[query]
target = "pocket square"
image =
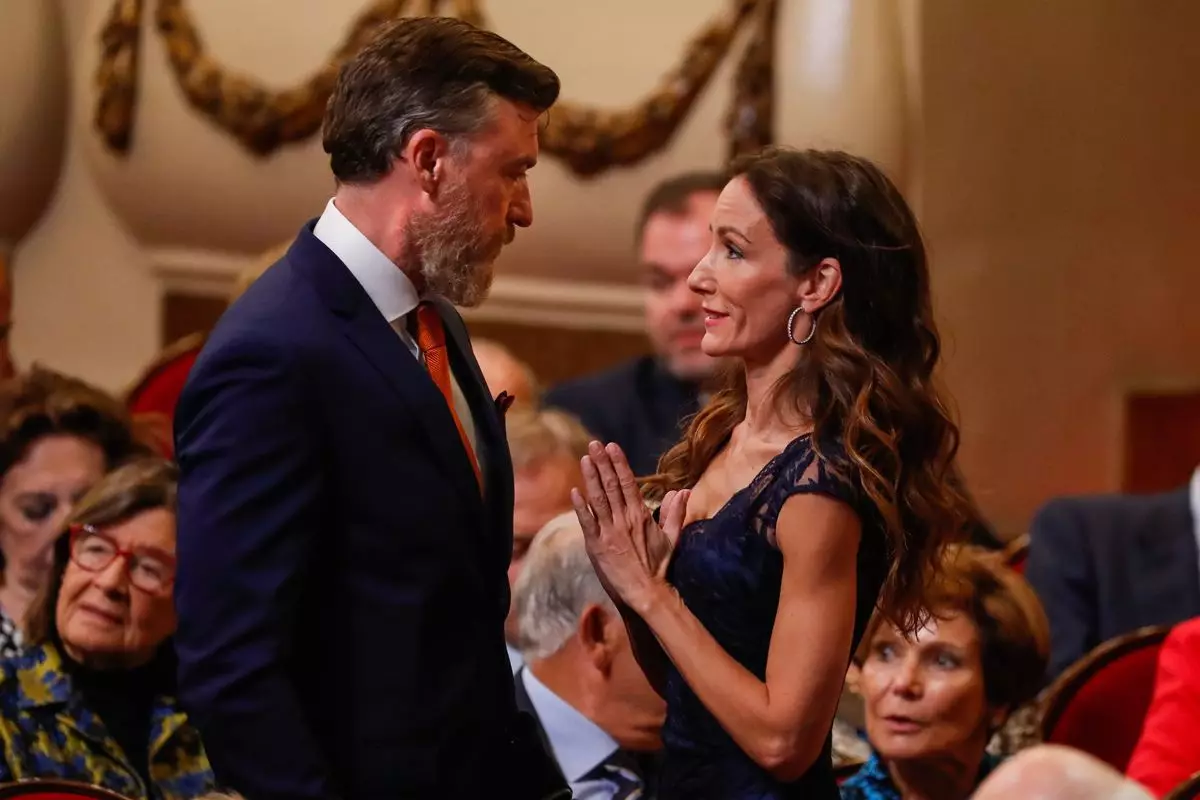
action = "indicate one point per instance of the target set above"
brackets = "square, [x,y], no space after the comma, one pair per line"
[504,401]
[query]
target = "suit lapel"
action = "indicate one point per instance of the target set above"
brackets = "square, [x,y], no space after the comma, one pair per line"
[361,323]
[489,423]
[525,704]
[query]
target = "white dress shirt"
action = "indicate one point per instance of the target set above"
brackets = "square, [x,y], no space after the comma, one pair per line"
[579,744]
[515,659]
[390,290]
[1194,502]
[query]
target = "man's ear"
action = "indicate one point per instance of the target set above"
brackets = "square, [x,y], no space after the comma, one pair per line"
[819,285]
[426,154]
[594,636]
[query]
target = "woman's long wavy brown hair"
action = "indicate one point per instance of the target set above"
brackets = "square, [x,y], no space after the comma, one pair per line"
[867,377]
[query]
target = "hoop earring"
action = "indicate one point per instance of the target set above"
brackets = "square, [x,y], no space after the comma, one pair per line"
[791,328]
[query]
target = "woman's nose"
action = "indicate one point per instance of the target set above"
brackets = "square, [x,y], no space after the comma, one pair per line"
[700,280]
[907,679]
[113,579]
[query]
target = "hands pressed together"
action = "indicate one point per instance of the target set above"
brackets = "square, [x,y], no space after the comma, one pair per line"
[629,550]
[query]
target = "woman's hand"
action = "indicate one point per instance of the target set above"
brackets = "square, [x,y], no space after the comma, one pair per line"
[629,550]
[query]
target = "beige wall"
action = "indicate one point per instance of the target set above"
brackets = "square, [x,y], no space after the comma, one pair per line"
[1057,171]
[1061,197]
[85,300]
[188,196]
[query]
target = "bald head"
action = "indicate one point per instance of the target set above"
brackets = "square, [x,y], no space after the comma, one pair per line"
[1053,772]
[504,372]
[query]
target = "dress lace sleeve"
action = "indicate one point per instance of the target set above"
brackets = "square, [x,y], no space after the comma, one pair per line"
[801,471]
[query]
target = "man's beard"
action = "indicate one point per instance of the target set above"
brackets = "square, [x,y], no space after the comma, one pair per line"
[454,250]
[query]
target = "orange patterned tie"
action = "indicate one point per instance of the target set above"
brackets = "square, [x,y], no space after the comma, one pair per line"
[431,339]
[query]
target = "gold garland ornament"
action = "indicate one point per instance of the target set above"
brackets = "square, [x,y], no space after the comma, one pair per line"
[588,140]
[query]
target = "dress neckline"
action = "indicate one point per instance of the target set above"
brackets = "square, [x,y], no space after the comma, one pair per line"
[804,437]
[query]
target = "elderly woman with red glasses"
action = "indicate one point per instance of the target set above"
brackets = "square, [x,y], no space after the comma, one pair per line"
[92,698]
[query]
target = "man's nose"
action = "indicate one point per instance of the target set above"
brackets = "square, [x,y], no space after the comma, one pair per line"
[684,301]
[520,211]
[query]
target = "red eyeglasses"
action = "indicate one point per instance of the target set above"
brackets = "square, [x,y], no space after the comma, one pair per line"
[150,570]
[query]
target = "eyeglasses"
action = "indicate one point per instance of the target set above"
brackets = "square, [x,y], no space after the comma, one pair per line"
[150,570]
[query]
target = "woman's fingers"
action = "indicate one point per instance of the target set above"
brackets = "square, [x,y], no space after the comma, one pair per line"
[625,477]
[583,513]
[671,519]
[608,478]
[594,490]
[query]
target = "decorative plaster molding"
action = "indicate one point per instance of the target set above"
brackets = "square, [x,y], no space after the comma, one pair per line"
[515,299]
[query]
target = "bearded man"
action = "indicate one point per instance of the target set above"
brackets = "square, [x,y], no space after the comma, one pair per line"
[346,502]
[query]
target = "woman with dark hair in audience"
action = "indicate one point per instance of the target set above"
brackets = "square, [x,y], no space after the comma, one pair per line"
[934,700]
[58,436]
[816,482]
[92,698]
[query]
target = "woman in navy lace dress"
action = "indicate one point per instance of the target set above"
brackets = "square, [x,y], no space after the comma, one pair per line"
[813,487]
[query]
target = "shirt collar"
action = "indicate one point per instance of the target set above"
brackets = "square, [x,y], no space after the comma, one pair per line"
[578,743]
[388,287]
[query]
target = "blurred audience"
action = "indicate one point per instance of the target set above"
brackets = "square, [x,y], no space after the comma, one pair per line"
[58,436]
[640,404]
[7,370]
[546,447]
[933,702]
[504,372]
[597,712]
[1168,751]
[1052,772]
[1110,564]
[91,699]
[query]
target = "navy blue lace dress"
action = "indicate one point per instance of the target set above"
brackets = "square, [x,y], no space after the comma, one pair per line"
[728,570]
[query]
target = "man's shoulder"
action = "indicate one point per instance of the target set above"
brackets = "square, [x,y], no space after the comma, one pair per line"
[1118,513]
[276,311]
[1108,526]
[587,389]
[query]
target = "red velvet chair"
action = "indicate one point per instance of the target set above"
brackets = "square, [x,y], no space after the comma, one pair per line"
[152,399]
[1188,790]
[845,772]
[1098,705]
[55,789]
[1016,553]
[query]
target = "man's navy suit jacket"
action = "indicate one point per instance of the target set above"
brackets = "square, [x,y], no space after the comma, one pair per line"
[342,582]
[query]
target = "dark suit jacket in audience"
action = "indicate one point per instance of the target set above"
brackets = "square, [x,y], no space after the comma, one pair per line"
[638,405]
[342,582]
[1106,565]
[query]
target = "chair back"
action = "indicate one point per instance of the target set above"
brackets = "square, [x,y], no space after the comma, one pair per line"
[1188,790]
[152,398]
[1016,552]
[55,789]
[1098,705]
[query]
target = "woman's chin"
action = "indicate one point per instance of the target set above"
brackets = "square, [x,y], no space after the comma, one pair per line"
[714,348]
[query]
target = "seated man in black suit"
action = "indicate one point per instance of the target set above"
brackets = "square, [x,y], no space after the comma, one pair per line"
[640,404]
[598,715]
[1107,565]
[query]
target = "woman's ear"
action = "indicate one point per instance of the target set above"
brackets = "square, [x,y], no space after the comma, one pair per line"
[819,285]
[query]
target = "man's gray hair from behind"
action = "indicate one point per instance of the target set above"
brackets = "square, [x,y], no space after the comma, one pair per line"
[557,583]
[536,436]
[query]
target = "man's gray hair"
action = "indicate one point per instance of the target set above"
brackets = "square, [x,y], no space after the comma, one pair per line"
[535,436]
[557,583]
